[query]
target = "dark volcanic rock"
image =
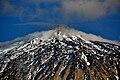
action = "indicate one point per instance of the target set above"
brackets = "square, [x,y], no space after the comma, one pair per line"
[61,58]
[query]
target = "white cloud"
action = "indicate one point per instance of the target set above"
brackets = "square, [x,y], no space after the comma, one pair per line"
[90,8]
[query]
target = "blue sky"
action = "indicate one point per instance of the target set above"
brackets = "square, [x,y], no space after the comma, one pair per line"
[21,17]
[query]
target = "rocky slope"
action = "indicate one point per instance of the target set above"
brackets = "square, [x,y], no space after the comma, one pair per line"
[61,56]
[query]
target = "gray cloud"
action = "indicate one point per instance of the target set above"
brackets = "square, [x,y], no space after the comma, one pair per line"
[25,12]
[7,7]
[10,9]
[90,8]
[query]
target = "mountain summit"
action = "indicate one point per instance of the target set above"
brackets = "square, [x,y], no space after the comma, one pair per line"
[60,54]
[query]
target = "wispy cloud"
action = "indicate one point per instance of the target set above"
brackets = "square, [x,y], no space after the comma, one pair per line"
[39,24]
[30,10]
[36,24]
[7,7]
[90,8]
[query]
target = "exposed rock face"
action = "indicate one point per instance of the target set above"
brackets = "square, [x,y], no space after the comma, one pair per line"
[61,57]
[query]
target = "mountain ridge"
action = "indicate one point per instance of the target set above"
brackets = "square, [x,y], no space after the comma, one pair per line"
[60,56]
[62,28]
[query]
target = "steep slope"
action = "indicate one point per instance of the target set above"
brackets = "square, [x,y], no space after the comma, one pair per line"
[61,55]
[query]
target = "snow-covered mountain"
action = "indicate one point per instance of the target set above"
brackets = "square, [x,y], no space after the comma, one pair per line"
[60,54]
[47,34]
